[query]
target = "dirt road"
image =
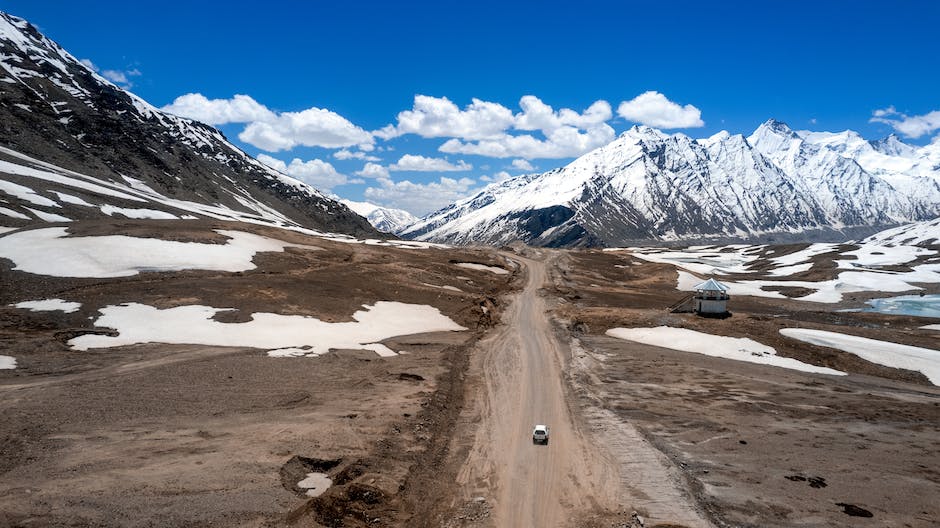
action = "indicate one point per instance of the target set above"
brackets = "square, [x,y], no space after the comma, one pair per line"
[532,485]
[580,475]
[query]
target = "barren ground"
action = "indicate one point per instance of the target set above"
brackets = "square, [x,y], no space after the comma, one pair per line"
[185,435]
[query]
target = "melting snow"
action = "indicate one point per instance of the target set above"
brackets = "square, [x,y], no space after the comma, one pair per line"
[315,484]
[804,254]
[48,217]
[483,267]
[13,214]
[25,193]
[924,360]
[49,251]
[49,305]
[70,199]
[283,335]
[705,260]
[737,348]
[153,214]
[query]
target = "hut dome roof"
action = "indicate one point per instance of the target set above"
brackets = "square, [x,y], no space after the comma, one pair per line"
[711,285]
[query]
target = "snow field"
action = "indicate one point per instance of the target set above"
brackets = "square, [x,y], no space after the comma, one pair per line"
[49,251]
[736,348]
[282,335]
[894,355]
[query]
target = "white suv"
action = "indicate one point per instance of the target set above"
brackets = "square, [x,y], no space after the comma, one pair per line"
[540,434]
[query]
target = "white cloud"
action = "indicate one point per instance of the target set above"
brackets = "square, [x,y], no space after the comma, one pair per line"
[313,127]
[522,164]
[238,109]
[537,115]
[419,198]
[118,77]
[410,162]
[317,173]
[565,142]
[910,126]
[346,154]
[271,131]
[439,117]
[498,177]
[655,110]
[373,170]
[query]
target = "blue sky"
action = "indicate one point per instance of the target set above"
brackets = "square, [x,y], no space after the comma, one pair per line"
[322,77]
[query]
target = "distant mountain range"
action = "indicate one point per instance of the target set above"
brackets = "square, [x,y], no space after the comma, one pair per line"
[776,184]
[75,146]
[385,219]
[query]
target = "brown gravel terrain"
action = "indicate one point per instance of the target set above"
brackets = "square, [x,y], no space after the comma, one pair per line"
[760,445]
[189,435]
[440,436]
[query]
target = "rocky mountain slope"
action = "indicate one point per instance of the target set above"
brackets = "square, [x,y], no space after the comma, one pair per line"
[61,118]
[776,184]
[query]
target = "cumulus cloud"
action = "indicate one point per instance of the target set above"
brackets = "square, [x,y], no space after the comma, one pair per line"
[419,198]
[537,115]
[373,170]
[272,131]
[439,117]
[313,127]
[564,142]
[522,164]
[910,126]
[346,154]
[655,110]
[433,117]
[317,173]
[410,162]
[496,178]
[238,109]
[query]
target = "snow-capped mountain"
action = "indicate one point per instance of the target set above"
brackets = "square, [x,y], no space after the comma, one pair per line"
[647,185]
[385,219]
[76,146]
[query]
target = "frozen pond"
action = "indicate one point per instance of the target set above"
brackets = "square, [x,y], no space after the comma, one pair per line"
[916,305]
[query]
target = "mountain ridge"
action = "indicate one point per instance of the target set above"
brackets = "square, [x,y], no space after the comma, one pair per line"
[55,109]
[649,185]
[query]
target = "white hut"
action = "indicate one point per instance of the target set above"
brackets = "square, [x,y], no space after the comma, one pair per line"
[711,297]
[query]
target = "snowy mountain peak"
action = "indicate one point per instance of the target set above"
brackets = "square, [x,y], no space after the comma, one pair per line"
[385,219]
[652,185]
[893,146]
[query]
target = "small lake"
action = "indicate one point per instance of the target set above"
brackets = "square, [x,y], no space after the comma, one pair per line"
[916,305]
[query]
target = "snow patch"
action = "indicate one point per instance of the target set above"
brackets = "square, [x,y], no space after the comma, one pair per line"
[482,267]
[894,355]
[282,335]
[49,305]
[151,214]
[48,217]
[737,348]
[315,484]
[49,251]
[7,362]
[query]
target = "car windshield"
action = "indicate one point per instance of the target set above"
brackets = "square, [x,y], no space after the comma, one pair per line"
[539,432]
